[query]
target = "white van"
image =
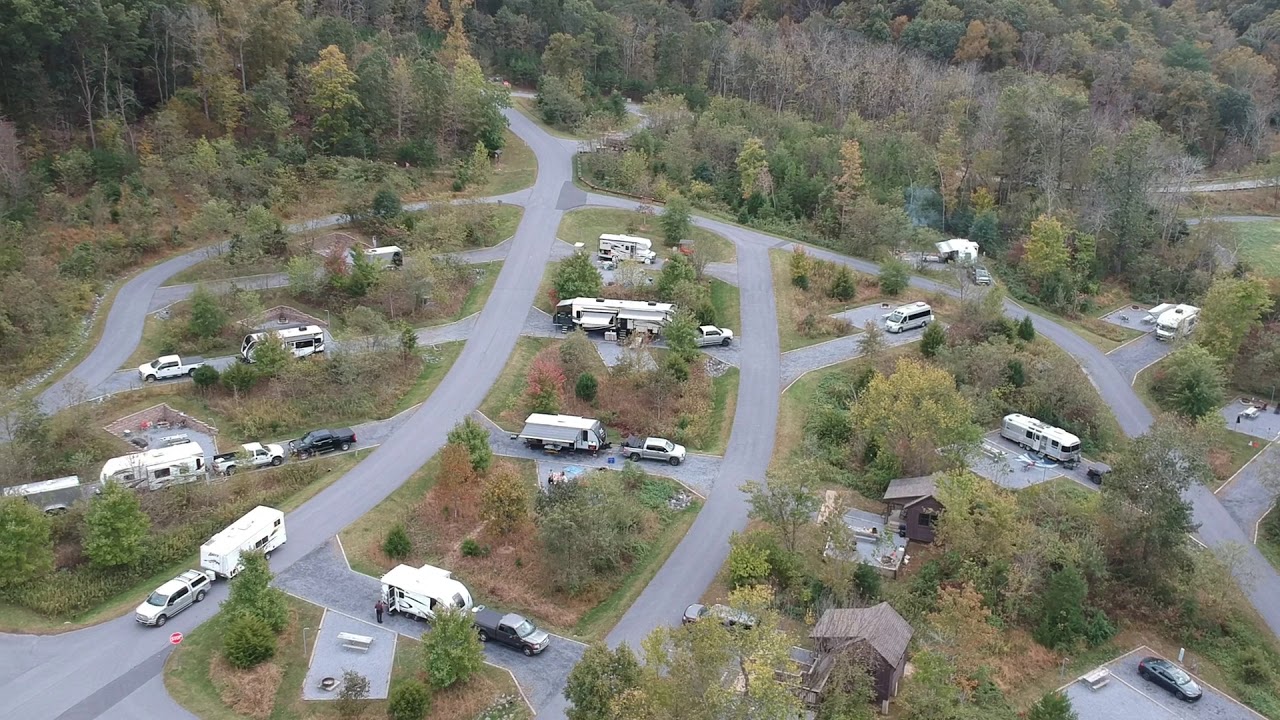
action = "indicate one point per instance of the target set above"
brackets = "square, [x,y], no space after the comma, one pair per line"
[423,591]
[302,341]
[262,529]
[909,317]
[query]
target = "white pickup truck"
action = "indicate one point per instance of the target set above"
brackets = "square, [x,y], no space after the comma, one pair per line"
[249,455]
[169,366]
[653,448]
[712,335]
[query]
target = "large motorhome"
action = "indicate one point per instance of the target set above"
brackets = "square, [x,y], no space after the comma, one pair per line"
[626,247]
[157,468]
[625,316]
[422,592]
[564,432]
[261,529]
[302,341]
[1175,321]
[1054,443]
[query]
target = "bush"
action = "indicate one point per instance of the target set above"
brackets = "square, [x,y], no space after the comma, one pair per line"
[586,387]
[867,582]
[471,548]
[409,700]
[239,378]
[26,547]
[352,694]
[1027,329]
[843,286]
[248,641]
[471,435]
[1253,667]
[748,563]
[894,277]
[451,652]
[933,339]
[397,546]
[115,528]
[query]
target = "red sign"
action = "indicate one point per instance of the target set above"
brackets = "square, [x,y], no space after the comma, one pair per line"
[175,638]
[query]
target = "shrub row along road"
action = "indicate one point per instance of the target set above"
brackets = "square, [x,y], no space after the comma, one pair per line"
[113,670]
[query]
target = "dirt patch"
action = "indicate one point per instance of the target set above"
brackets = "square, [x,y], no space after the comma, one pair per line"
[248,692]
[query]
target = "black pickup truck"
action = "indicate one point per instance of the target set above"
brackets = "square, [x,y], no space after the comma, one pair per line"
[322,441]
[510,629]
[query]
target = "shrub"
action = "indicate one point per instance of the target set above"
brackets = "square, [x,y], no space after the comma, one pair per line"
[252,594]
[576,276]
[205,377]
[397,546]
[933,339]
[451,652]
[471,548]
[1254,667]
[26,547]
[894,277]
[240,378]
[471,435]
[505,498]
[1027,329]
[843,286]
[248,641]
[586,387]
[352,694]
[115,528]
[748,563]
[409,700]
[867,582]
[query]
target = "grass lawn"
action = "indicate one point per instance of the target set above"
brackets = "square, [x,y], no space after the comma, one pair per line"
[529,108]
[17,619]
[1269,537]
[728,304]
[789,301]
[724,405]
[1100,333]
[152,337]
[586,226]
[1260,245]
[506,392]
[479,294]
[215,268]
[793,409]
[517,170]
[199,681]
[506,220]
[432,374]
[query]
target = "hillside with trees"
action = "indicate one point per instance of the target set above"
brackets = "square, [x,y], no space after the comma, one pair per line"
[130,128]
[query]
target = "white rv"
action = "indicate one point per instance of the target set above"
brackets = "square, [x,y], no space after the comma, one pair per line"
[1054,443]
[423,591]
[301,341]
[154,469]
[51,496]
[261,529]
[626,247]
[564,432]
[908,317]
[627,316]
[957,250]
[387,258]
[1177,321]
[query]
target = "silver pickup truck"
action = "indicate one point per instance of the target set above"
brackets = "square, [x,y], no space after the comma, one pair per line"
[653,448]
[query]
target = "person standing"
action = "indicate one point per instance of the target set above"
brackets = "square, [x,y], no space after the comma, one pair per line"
[379,608]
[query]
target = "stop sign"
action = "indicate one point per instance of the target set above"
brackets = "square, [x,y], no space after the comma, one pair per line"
[175,638]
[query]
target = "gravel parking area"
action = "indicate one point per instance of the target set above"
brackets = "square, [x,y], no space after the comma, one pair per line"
[1133,357]
[1247,498]
[323,578]
[1129,317]
[698,472]
[814,357]
[1128,697]
[538,324]
[1266,425]
[330,659]
[1008,465]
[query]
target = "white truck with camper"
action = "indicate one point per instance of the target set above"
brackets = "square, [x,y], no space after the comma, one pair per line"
[157,468]
[557,433]
[1175,321]
[621,316]
[166,367]
[300,341]
[422,592]
[626,247]
[261,529]
[653,448]
[249,455]
[52,496]
[1052,442]
[908,317]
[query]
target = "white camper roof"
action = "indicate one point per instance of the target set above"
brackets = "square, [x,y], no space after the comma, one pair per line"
[571,422]
[645,243]
[1174,315]
[957,245]
[149,458]
[238,532]
[384,250]
[43,486]
[426,580]
[910,308]
[586,304]
[295,332]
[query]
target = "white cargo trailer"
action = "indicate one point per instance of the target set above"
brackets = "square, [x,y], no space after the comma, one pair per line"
[422,592]
[261,529]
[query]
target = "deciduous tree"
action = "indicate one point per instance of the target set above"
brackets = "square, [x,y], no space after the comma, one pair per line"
[1190,382]
[332,94]
[473,436]
[753,164]
[675,220]
[787,500]
[115,527]
[599,679]
[505,498]
[1232,307]
[26,546]
[451,652]
[576,276]
[207,316]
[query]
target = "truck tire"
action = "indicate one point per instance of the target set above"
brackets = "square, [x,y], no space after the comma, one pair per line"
[275,461]
[484,636]
[674,461]
[528,651]
[634,457]
[200,595]
[160,621]
[229,471]
[344,446]
[149,378]
[304,454]
[725,342]
[191,372]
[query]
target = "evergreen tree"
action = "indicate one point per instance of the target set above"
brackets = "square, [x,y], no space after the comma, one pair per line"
[252,594]
[472,435]
[207,316]
[115,527]
[1054,706]
[1062,620]
[26,546]
[1027,329]
[933,339]
[576,276]
[675,220]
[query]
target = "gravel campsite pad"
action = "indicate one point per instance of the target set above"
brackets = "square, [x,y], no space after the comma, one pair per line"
[329,657]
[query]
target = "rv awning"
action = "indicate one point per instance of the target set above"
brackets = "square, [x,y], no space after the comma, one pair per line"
[550,432]
[596,321]
[642,315]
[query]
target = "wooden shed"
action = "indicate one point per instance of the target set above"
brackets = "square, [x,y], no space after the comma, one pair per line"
[912,501]
[877,635]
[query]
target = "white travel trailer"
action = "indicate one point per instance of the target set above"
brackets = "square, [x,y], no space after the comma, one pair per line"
[564,432]
[157,468]
[387,258]
[908,317]
[626,316]
[1177,321]
[423,591]
[1054,443]
[261,529]
[957,250]
[302,341]
[52,496]
[626,247]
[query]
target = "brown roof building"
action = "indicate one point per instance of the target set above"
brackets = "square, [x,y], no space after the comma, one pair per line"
[877,636]
[914,501]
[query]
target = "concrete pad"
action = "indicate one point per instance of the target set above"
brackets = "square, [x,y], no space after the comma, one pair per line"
[330,659]
[1265,426]
[1008,465]
[1136,355]
[1127,696]
[859,316]
[1131,317]
[875,545]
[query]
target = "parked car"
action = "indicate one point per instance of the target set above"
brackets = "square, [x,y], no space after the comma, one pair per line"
[169,366]
[249,455]
[510,629]
[712,335]
[725,614]
[654,448]
[322,441]
[173,597]
[980,275]
[1170,677]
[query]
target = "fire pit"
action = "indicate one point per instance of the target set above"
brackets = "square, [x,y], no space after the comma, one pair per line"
[328,684]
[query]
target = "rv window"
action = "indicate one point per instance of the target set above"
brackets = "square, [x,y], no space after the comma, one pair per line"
[261,542]
[1071,448]
[458,601]
[1054,443]
[303,344]
[918,315]
[162,473]
[1030,435]
[277,523]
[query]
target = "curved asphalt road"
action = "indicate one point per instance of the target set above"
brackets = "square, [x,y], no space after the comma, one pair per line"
[113,669]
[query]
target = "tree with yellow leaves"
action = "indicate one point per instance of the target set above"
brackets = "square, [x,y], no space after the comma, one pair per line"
[851,183]
[753,163]
[332,95]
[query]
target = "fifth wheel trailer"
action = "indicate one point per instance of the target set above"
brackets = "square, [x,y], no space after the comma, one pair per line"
[157,468]
[564,432]
[261,529]
[625,316]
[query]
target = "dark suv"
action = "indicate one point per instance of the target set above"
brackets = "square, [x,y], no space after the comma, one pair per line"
[322,441]
[1170,677]
[510,629]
